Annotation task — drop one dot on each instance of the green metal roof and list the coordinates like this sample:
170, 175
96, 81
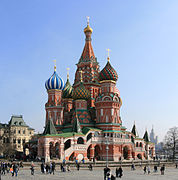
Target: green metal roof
49, 128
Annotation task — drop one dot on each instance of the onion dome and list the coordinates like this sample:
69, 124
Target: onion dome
54, 82
108, 73
88, 28
68, 89
81, 92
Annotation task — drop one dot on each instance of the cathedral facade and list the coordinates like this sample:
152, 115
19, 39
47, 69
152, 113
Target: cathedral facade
83, 120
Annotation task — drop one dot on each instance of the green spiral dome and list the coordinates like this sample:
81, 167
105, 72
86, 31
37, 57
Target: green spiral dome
68, 90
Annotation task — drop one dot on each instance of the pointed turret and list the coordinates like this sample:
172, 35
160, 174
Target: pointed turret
88, 53
76, 126
87, 61
50, 128
145, 137
134, 130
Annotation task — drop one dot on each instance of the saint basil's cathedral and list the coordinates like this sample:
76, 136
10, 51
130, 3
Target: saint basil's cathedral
83, 120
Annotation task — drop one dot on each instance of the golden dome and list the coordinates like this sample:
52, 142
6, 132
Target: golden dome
88, 29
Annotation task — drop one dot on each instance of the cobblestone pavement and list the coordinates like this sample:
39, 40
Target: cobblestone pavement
96, 174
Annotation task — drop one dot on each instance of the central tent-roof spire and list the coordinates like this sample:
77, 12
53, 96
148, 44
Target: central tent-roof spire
87, 54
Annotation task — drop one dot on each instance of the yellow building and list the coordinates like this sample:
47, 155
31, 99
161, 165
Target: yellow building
16, 133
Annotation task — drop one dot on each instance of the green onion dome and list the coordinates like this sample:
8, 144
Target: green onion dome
81, 92
108, 73
68, 90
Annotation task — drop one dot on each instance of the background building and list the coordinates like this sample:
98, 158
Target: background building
16, 133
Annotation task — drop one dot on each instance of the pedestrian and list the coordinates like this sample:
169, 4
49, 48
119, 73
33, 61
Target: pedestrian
15, 169
117, 172
47, 168
78, 166
120, 172
42, 167
68, 167
148, 169
3, 168
90, 167
32, 168
108, 175
53, 167
21, 164
106, 170
162, 169
155, 168
50, 167
144, 169
83, 160
113, 177
176, 165
133, 167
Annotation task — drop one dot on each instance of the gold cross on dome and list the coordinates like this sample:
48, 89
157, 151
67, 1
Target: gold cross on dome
88, 20
54, 64
81, 78
108, 50
68, 73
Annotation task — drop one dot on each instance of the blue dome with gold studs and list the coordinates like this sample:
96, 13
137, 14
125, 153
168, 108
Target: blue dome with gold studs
54, 82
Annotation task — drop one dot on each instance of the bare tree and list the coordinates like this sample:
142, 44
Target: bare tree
170, 141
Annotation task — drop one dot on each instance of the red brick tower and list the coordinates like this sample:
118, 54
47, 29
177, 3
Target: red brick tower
108, 102
54, 108
90, 67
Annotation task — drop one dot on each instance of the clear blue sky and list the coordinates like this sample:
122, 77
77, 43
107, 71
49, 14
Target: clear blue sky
142, 36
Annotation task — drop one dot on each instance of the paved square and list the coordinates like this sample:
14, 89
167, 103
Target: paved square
96, 174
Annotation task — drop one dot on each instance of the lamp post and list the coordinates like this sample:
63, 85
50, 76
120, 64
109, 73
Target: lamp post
107, 149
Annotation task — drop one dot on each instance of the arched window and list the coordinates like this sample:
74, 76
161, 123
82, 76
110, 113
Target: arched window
80, 140
140, 144
137, 144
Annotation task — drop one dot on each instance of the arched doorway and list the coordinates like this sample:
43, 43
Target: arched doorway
51, 150
88, 152
57, 150
97, 152
67, 144
125, 152
80, 140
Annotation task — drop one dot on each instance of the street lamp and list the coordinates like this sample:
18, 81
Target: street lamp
107, 149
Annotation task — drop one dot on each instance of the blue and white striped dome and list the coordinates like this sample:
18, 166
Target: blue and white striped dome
54, 82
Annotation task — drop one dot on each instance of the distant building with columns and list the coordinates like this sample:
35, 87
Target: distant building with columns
82, 117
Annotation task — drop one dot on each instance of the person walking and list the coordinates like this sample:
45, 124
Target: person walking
32, 168
120, 171
148, 169
162, 169
53, 167
117, 172
106, 170
78, 166
68, 167
90, 167
144, 169
155, 169
42, 167
15, 170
